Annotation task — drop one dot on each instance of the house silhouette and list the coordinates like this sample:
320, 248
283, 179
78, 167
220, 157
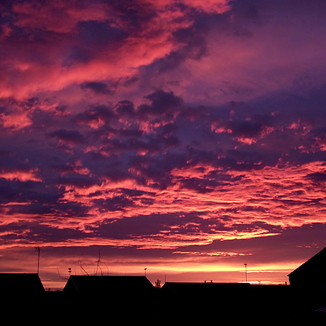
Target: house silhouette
125, 298
201, 293
21, 298
196, 303
312, 273
126, 287
20, 286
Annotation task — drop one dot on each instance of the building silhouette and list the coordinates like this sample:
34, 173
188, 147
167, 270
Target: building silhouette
20, 286
124, 298
312, 273
97, 287
134, 299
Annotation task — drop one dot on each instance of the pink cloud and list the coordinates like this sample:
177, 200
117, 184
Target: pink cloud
53, 66
32, 175
58, 16
211, 6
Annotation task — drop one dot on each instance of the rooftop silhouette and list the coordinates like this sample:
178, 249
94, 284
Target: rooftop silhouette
312, 272
87, 299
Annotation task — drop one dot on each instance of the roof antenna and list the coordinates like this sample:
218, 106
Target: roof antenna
245, 265
82, 268
38, 259
98, 264
63, 278
107, 269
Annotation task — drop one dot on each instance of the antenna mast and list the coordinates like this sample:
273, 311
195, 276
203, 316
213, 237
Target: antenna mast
246, 272
38, 259
98, 267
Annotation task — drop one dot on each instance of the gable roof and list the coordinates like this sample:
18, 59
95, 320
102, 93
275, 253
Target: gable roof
105, 285
20, 285
314, 265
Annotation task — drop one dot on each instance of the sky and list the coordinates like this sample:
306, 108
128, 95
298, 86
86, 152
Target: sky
178, 138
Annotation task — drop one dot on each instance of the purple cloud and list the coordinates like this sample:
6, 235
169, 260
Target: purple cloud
97, 87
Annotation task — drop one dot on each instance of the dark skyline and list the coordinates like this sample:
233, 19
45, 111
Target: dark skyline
186, 137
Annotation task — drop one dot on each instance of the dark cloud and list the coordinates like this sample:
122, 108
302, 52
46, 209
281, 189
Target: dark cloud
41, 210
195, 49
144, 225
245, 128
33, 230
125, 108
317, 177
184, 224
155, 170
199, 185
97, 87
67, 136
131, 144
136, 193
77, 180
117, 203
131, 133
98, 34
163, 104
77, 54
100, 114
27, 191
37, 199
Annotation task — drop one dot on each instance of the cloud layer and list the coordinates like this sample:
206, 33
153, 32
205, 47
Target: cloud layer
190, 131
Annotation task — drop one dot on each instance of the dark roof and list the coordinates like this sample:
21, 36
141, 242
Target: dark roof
181, 286
97, 285
316, 264
201, 290
19, 284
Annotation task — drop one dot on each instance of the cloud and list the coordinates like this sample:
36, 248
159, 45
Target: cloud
76, 49
293, 244
65, 136
97, 87
33, 230
97, 34
125, 108
19, 191
317, 177
162, 104
182, 129
211, 6
77, 180
144, 225
116, 203
198, 185
95, 116
20, 175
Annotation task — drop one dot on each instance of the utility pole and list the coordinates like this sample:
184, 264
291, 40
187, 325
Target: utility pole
38, 259
246, 272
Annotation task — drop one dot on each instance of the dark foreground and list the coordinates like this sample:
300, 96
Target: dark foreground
174, 304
